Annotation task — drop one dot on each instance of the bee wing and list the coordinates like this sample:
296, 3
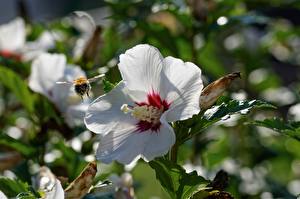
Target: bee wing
64, 83
95, 78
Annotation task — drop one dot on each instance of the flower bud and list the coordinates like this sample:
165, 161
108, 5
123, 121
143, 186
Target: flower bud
213, 91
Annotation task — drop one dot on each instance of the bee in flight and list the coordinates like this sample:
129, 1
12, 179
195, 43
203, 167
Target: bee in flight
82, 85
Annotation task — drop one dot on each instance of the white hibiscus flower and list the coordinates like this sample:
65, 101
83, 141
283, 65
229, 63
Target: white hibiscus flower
49, 184
13, 41
133, 119
2, 195
46, 70
88, 24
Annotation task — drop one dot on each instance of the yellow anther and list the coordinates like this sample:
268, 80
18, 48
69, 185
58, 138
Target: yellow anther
144, 113
125, 108
147, 113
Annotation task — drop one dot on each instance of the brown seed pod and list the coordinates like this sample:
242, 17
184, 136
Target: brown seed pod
213, 91
81, 185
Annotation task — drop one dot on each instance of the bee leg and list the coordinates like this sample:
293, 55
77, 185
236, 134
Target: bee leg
88, 94
81, 97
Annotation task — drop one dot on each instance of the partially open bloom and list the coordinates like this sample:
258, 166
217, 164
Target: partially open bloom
87, 45
13, 41
49, 184
133, 119
46, 70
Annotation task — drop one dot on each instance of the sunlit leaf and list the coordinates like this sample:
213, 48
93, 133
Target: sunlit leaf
26, 195
221, 112
11, 188
289, 128
175, 180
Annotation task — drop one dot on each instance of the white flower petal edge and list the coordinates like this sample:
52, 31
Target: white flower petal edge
125, 145
104, 115
12, 35
2, 195
181, 86
57, 192
45, 71
140, 68
75, 113
33, 49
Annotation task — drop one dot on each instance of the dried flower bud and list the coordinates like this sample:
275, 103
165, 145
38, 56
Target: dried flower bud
81, 185
213, 91
92, 47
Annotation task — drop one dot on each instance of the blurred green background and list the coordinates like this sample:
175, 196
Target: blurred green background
259, 38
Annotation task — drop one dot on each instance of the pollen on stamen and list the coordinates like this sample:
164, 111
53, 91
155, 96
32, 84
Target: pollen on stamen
125, 108
147, 113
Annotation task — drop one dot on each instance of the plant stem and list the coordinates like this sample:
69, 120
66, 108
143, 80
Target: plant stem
174, 152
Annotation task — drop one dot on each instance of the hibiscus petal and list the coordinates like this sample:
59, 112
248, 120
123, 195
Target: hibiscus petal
104, 115
127, 145
45, 71
56, 192
75, 113
2, 195
33, 49
123, 146
12, 35
181, 86
140, 68
159, 143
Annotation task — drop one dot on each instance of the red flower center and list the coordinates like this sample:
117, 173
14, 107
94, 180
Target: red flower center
10, 55
156, 106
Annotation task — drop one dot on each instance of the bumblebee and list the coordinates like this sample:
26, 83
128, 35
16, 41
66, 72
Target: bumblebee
82, 85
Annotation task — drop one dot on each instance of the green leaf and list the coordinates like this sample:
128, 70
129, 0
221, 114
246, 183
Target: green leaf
243, 107
13, 82
19, 146
224, 111
26, 195
11, 188
107, 85
175, 180
186, 129
288, 128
